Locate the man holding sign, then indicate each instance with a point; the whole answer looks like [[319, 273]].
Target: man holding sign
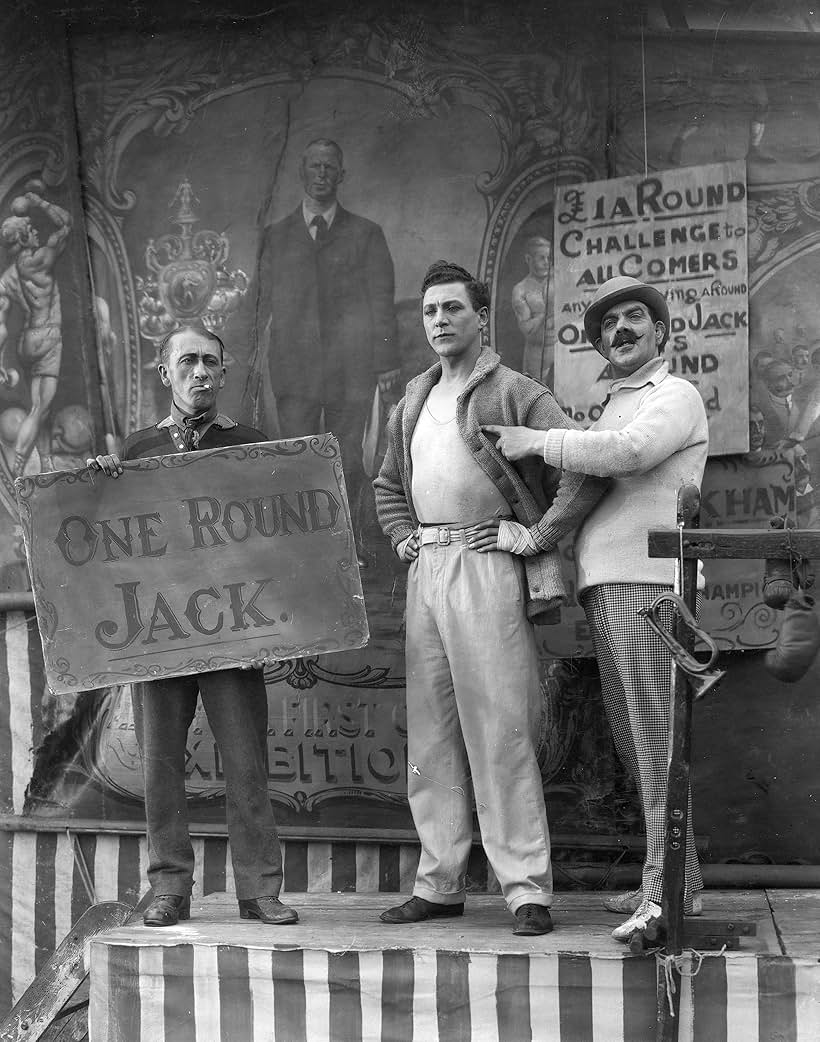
[[191, 366], [651, 438]]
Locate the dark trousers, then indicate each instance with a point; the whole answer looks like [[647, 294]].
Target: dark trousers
[[237, 709], [300, 416]]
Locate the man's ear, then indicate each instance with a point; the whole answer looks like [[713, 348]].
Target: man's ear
[[660, 333], [483, 317], [162, 369]]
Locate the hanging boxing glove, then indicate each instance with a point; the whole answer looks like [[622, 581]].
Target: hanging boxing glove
[[778, 573], [797, 642]]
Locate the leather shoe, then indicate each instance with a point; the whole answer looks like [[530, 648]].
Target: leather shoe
[[532, 920], [416, 910], [268, 910], [167, 910]]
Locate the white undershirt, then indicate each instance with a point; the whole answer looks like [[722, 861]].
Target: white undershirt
[[448, 486]]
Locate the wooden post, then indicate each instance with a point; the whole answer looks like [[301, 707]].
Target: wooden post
[[677, 794], [689, 544]]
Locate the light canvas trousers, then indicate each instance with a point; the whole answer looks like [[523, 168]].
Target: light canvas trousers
[[473, 711]]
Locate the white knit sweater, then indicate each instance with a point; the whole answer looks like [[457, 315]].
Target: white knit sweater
[[651, 438]]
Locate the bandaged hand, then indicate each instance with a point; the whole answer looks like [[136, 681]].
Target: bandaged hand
[[516, 538], [500, 534]]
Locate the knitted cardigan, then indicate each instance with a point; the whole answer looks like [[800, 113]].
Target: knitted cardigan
[[498, 395]]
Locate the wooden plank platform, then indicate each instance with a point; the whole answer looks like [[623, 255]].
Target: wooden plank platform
[[796, 915], [336, 922], [340, 975]]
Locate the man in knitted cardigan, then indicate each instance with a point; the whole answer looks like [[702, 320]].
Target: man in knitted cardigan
[[474, 530], [651, 438]]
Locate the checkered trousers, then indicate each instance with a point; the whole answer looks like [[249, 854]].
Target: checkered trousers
[[635, 669]]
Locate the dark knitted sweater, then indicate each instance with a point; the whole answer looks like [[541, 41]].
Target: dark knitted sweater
[[498, 395]]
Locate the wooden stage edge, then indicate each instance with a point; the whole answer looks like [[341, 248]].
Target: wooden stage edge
[[339, 922], [340, 975]]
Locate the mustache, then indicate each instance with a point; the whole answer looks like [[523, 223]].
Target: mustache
[[623, 338]]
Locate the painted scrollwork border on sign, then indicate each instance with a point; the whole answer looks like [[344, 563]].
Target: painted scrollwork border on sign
[[304, 673], [302, 803]]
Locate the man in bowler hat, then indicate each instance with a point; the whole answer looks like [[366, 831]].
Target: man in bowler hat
[[651, 439]]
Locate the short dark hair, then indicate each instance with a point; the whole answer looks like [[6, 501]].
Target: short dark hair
[[442, 271], [165, 344], [324, 142]]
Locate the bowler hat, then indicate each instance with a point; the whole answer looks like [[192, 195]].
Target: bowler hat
[[612, 292]]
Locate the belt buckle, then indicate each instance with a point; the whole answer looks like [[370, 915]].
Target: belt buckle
[[443, 536]]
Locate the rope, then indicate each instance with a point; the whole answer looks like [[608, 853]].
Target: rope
[[800, 565], [676, 963], [82, 867], [677, 582], [643, 94], [794, 562]]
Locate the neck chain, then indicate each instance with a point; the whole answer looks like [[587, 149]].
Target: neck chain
[[435, 419]]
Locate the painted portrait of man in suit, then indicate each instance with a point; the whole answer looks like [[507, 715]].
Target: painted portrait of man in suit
[[325, 316]]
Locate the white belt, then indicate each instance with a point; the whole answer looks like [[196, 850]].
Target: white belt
[[441, 535]]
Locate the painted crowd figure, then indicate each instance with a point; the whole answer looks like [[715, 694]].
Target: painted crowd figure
[[532, 302], [480, 539], [651, 439], [30, 285], [325, 316], [191, 366]]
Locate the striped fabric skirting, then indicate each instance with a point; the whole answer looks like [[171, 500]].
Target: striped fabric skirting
[[202, 993]]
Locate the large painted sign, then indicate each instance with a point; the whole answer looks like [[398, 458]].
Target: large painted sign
[[192, 562], [683, 231]]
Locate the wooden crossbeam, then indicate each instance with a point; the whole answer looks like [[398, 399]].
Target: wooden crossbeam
[[702, 935], [738, 543]]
